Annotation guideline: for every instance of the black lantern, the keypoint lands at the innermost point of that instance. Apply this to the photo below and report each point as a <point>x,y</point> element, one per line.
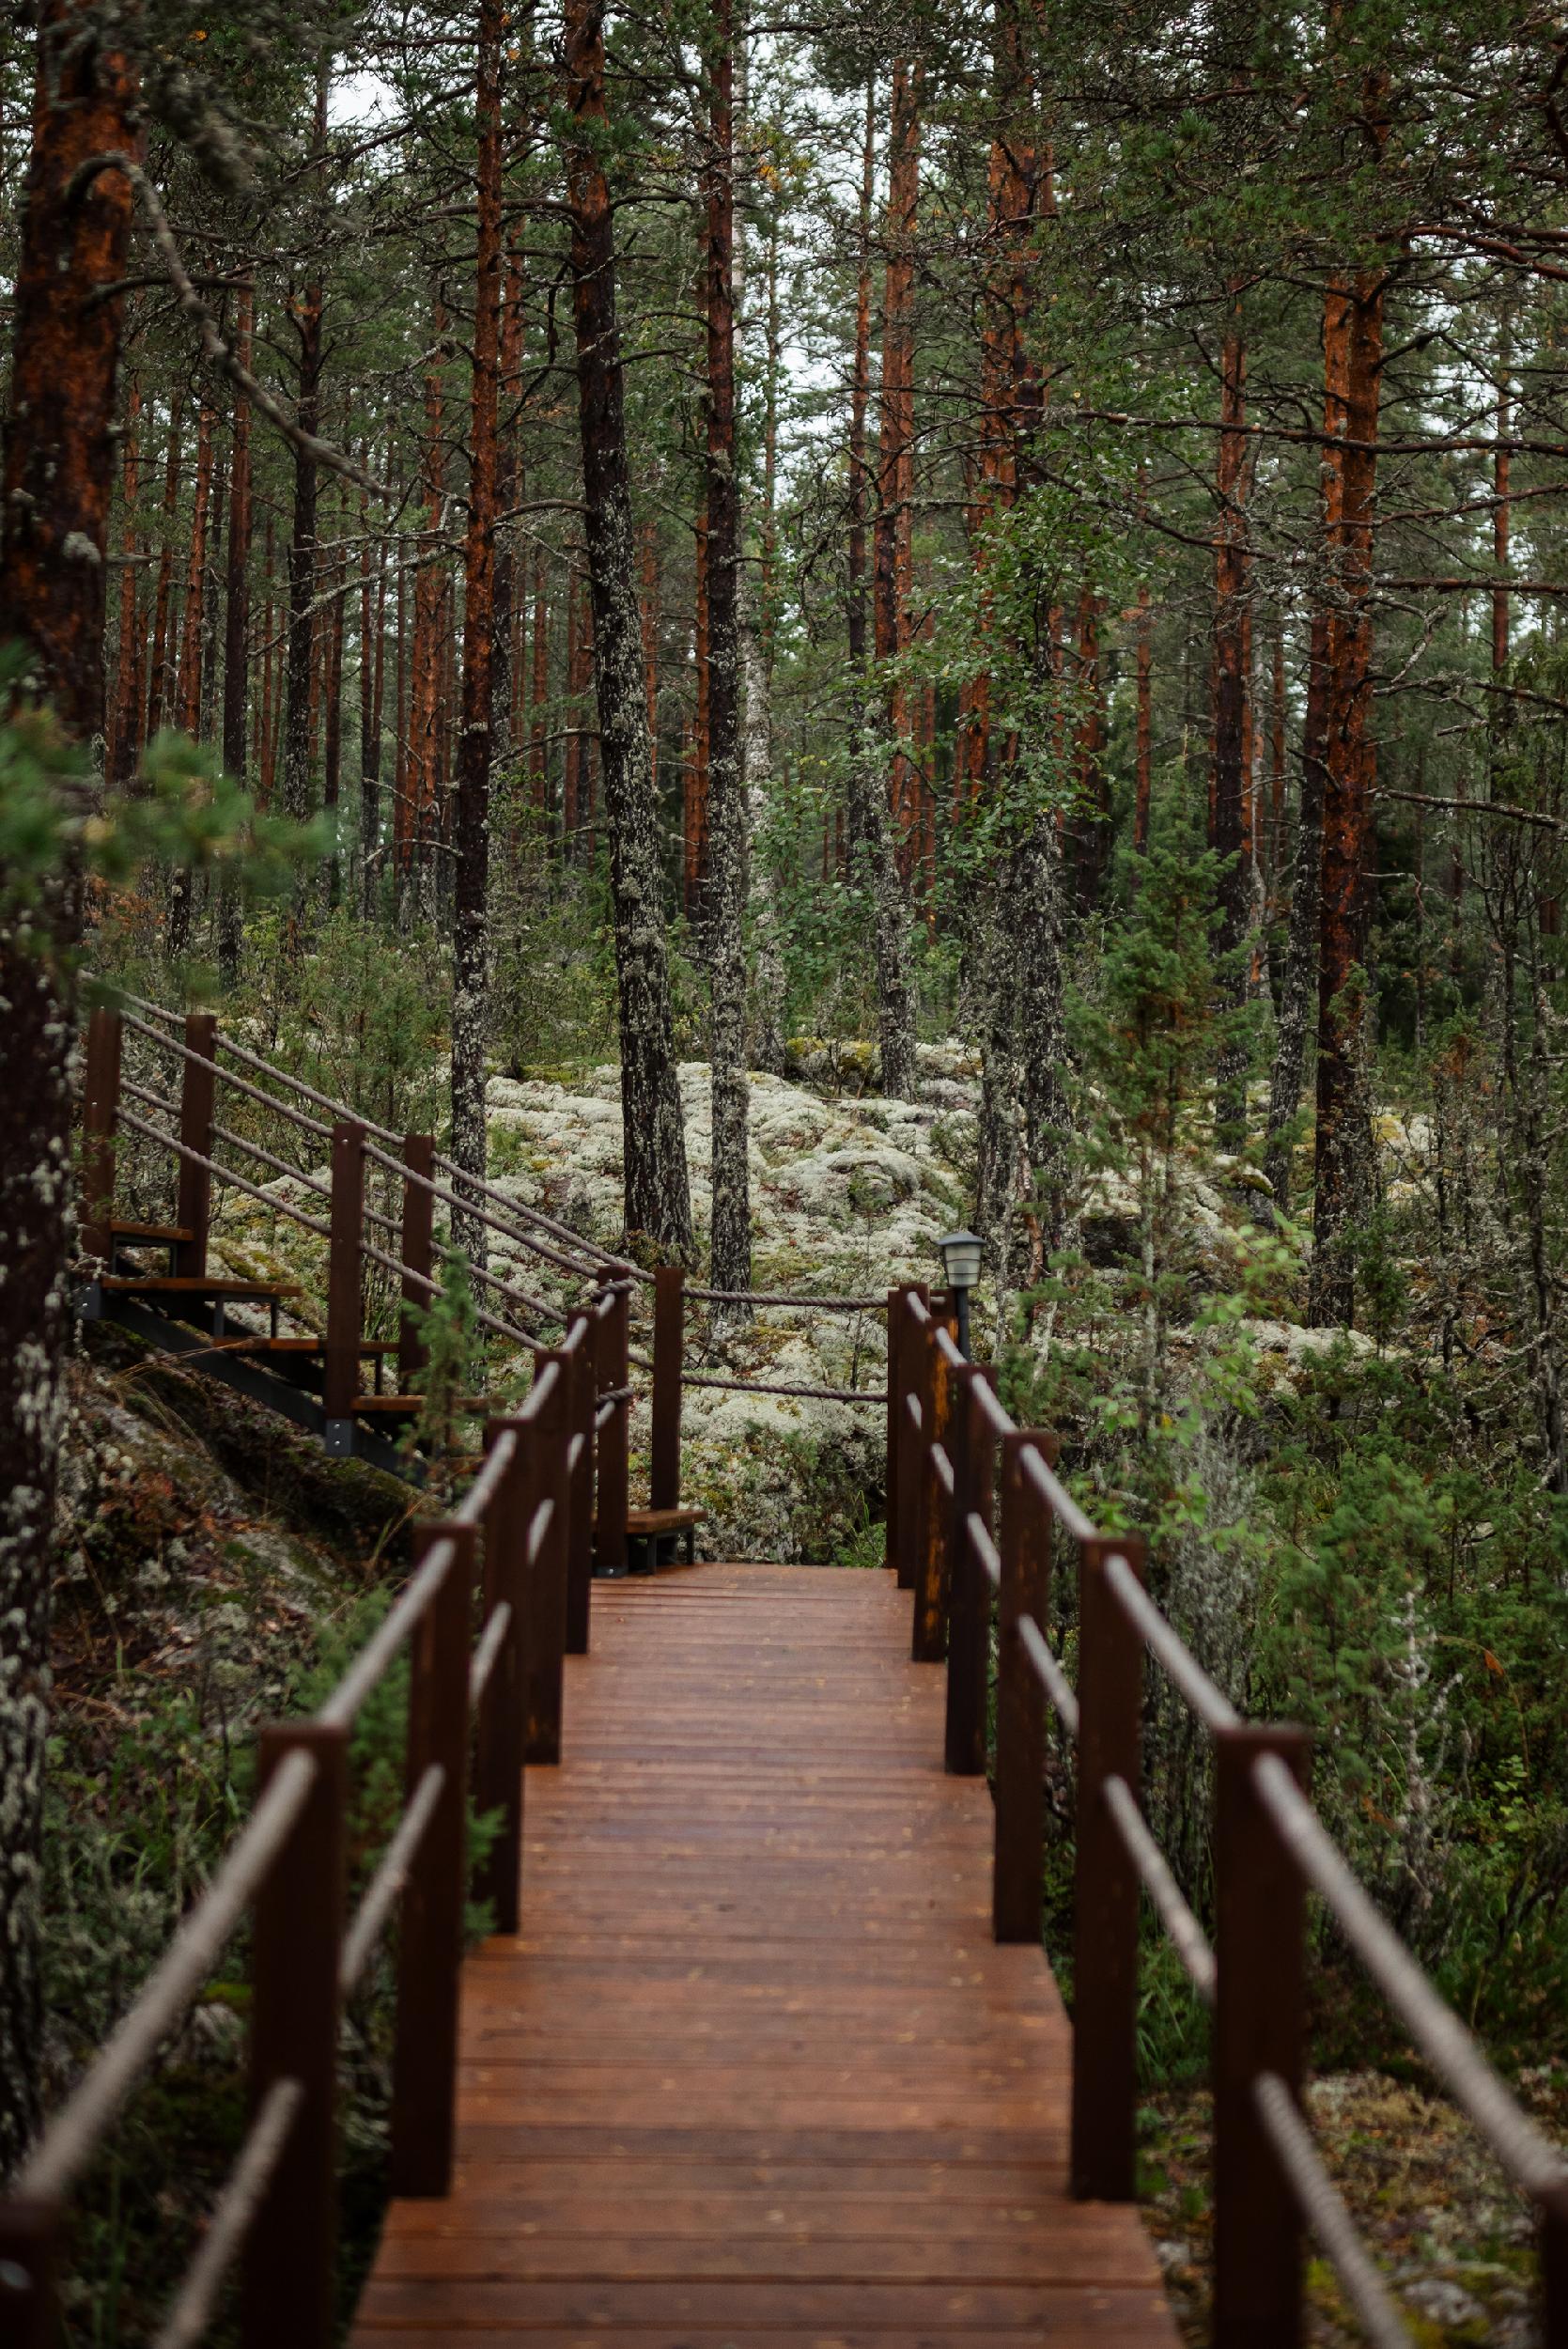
<point>961,1253</point>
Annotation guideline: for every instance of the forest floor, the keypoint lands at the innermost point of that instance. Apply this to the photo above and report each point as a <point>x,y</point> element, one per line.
<point>1449,2234</point>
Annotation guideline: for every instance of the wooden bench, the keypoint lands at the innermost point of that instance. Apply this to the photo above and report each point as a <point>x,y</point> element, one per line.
<point>646,1528</point>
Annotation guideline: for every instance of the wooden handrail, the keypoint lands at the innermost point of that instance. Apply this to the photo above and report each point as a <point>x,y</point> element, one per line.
<point>1270,1848</point>
<point>525,1520</point>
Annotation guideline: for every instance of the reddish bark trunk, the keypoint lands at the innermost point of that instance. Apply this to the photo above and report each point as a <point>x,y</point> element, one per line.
<point>420,810</point>
<point>188,707</point>
<point>537,756</point>
<point>894,532</point>
<point>306,311</point>
<point>860,393</point>
<point>125,739</point>
<point>1353,339</point>
<point>57,485</point>
<point>1230,828</point>
<point>158,679</point>
<point>1145,723</point>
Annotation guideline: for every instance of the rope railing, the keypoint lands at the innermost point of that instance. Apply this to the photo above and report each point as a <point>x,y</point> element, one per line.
<point>975,1512</point>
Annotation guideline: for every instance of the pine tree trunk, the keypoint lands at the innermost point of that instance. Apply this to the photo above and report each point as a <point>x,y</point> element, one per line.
<point>237,618</point>
<point>1228,827</point>
<point>731,1244</point>
<point>471,939</point>
<point>58,483</point>
<point>658,1198</point>
<point>509,363</point>
<point>1298,990</point>
<point>871,828</point>
<point>372,637</point>
<point>125,747</point>
<point>859,399</point>
<point>157,692</point>
<point>305,313</point>
<point>894,534</point>
<point>1354,316</point>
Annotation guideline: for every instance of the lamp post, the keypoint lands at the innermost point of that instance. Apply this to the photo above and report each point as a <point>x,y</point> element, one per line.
<point>961,1252</point>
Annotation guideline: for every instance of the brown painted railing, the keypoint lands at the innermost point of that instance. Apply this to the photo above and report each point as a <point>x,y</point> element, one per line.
<point>515,1556</point>
<point>975,1518</point>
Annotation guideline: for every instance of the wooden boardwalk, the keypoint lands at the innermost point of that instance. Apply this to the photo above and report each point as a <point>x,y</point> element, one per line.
<point>756,2072</point>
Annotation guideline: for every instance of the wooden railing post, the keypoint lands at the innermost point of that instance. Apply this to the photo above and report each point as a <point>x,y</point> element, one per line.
<point>198,1109</point>
<point>30,2235</point>
<point>912,1346</point>
<point>101,1076</point>
<point>1024,1536</point>
<point>898,1428</point>
<point>668,1354</point>
<point>1104,1885</point>
<point>340,1377</point>
<point>430,1929</point>
<point>612,1342</point>
<point>932,1561</point>
<point>419,1208</point>
<point>289,2274</point>
<point>498,1743</point>
<point>972,1446</point>
<point>583,1397</point>
<point>549,1434</point>
<point>1258,2026</point>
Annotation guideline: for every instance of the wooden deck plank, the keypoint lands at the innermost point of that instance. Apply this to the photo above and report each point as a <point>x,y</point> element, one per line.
<point>754,2072</point>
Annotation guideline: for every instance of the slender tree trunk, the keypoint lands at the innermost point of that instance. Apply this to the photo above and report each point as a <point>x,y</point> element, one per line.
<point>371,681</point>
<point>658,1198</point>
<point>420,809</point>
<point>236,619</point>
<point>507,476</point>
<point>1298,990</point>
<point>58,483</point>
<point>894,535</point>
<point>731,1248</point>
<point>176,934</point>
<point>859,398</point>
<point>1143,788</point>
<point>125,749</point>
<point>1092,789</point>
<point>1354,316</point>
<point>306,313</point>
<point>755,617</point>
<point>694,812</point>
<point>158,679</point>
<point>536,761</point>
<point>648,612</point>
<point>1230,776</point>
<point>331,748</point>
<point>188,707</point>
<point>471,942</point>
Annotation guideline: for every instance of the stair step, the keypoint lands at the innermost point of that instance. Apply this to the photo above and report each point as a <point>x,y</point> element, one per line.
<point>410,1406</point>
<point>175,1286</point>
<point>174,1233</point>
<point>367,1347</point>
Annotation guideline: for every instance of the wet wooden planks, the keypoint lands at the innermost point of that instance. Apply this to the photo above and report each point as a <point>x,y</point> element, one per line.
<point>754,2072</point>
